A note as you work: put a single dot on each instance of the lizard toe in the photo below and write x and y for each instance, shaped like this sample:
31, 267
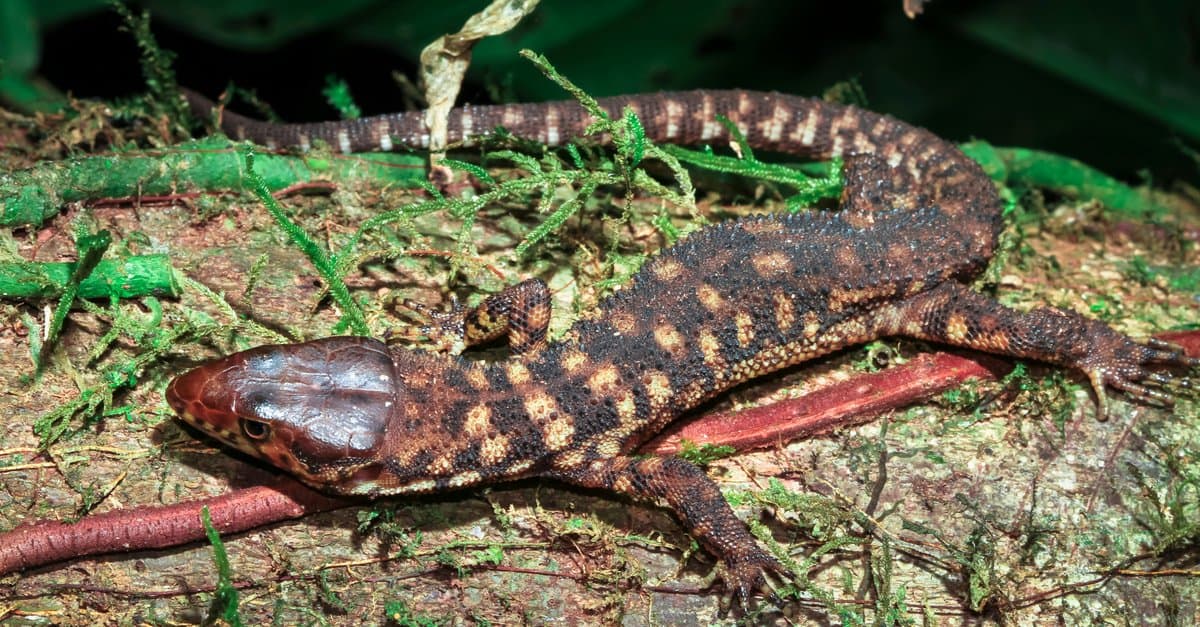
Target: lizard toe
753, 575
1133, 368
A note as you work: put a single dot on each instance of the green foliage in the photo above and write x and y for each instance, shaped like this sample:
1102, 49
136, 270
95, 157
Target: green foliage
329, 596
326, 265
1099, 69
634, 143
493, 554
30, 197
224, 605
964, 398
128, 277
380, 520
1026, 168
1168, 503
557, 218
446, 557
979, 561
544, 178
152, 337
399, 614
97, 400
976, 558
704, 454
821, 515
808, 189
1178, 278
469, 168
337, 92
162, 90
90, 248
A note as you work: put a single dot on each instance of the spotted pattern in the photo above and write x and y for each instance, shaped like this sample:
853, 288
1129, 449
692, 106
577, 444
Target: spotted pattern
726, 304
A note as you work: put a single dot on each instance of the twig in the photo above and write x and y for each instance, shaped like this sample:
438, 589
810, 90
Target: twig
141, 528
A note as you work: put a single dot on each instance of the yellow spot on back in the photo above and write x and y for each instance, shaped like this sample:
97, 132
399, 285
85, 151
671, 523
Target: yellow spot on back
608, 448
840, 298
573, 360
846, 259
745, 328
476, 378
541, 407
806, 131
668, 338
771, 264
658, 389
443, 465
705, 115
518, 374
494, 450
674, 113
513, 117
558, 432
418, 380
855, 331
812, 324
666, 268
956, 327
710, 298
710, 348
604, 380
785, 311
862, 143
744, 104
900, 253
626, 407
570, 459
479, 420
623, 322
995, 342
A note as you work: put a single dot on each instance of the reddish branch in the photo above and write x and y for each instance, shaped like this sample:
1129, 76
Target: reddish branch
847, 403
839, 405
141, 528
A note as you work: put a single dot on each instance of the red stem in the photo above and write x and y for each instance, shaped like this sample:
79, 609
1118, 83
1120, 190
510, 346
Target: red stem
842, 404
141, 528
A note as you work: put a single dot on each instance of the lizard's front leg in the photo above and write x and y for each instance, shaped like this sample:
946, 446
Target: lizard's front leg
695, 499
521, 312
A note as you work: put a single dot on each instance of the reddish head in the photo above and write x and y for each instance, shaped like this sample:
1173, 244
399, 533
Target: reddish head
319, 409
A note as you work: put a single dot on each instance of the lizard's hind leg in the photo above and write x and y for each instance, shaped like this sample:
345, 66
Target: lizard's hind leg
953, 314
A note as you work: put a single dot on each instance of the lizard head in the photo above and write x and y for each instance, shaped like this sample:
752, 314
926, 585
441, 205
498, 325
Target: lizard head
318, 410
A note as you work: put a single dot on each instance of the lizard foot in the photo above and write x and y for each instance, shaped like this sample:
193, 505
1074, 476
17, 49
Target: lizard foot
1132, 368
755, 573
445, 331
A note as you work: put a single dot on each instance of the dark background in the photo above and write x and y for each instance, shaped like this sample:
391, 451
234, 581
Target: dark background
1116, 84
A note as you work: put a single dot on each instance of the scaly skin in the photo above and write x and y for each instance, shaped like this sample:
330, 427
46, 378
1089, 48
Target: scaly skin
727, 304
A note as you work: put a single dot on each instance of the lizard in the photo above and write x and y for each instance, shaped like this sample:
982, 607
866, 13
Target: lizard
918, 220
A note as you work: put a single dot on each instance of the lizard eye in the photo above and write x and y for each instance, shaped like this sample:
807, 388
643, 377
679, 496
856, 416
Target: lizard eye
254, 429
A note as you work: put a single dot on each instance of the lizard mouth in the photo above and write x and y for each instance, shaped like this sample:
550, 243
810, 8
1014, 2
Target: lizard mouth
185, 395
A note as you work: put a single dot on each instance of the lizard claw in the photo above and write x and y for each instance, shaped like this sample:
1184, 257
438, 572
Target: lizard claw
1126, 366
755, 574
444, 330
